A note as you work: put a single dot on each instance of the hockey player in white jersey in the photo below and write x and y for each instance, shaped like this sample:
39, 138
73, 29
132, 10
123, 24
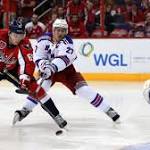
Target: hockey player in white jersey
54, 57
146, 91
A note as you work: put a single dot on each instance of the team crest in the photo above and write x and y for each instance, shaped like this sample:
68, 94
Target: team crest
27, 46
2, 44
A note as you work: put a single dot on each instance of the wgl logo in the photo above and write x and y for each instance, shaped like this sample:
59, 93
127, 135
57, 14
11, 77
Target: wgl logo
109, 59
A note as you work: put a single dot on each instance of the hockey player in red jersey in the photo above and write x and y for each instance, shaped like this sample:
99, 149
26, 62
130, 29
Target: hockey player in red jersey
16, 59
8, 58
54, 57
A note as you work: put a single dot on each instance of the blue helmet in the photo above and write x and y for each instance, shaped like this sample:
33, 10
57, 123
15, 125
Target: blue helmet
17, 26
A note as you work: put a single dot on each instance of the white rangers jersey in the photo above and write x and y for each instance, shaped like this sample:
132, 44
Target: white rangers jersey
61, 54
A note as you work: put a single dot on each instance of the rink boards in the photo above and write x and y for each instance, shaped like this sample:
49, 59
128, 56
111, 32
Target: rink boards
112, 59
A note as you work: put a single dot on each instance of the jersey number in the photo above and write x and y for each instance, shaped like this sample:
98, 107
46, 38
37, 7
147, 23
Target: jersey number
69, 50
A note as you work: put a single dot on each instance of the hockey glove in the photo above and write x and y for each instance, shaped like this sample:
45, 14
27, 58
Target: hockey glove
24, 81
46, 69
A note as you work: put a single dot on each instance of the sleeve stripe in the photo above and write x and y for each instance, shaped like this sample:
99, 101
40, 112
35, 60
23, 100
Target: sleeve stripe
65, 59
55, 68
37, 62
21, 63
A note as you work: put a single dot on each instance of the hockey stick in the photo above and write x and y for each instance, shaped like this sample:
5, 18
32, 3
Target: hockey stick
5, 71
11, 76
19, 90
16, 80
60, 130
40, 85
37, 90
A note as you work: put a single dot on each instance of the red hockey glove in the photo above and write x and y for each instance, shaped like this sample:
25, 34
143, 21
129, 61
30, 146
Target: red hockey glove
24, 81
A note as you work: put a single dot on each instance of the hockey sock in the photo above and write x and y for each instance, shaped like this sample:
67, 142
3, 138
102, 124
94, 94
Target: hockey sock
30, 103
93, 97
49, 106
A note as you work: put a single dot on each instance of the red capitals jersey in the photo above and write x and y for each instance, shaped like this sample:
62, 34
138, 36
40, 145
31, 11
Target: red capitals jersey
20, 57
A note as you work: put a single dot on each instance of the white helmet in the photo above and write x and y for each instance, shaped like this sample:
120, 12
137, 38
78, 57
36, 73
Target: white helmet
60, 23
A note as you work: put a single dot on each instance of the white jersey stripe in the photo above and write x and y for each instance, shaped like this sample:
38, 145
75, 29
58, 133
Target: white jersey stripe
21, 63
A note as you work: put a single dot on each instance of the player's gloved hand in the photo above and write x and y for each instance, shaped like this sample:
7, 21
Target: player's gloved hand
46, 69
24, 81
146, 91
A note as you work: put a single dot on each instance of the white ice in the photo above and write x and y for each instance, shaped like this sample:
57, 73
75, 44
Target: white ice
89, 129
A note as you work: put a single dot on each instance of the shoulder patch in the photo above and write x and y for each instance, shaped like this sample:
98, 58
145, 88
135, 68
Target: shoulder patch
69, 39
2, 44
27, 46
48, 34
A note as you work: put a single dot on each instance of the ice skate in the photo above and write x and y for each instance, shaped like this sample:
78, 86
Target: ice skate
60, 121
113, 115
20, 115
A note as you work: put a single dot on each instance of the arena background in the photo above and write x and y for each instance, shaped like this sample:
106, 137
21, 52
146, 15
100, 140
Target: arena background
112, 40
111, 36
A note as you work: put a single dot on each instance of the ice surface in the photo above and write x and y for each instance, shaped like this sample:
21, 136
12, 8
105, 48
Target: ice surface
89, 129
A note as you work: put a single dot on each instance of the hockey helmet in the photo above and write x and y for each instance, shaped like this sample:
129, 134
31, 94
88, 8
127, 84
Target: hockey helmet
17, 26
60, 23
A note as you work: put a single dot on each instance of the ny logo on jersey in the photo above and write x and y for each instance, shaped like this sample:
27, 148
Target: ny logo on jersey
2, 44
47, 48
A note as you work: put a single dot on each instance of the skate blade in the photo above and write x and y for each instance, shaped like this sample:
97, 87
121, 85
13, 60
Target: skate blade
16, 118
118, 121
65, 129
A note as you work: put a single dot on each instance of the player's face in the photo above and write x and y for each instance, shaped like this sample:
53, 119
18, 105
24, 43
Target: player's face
15, 38
59, 33
34, 19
